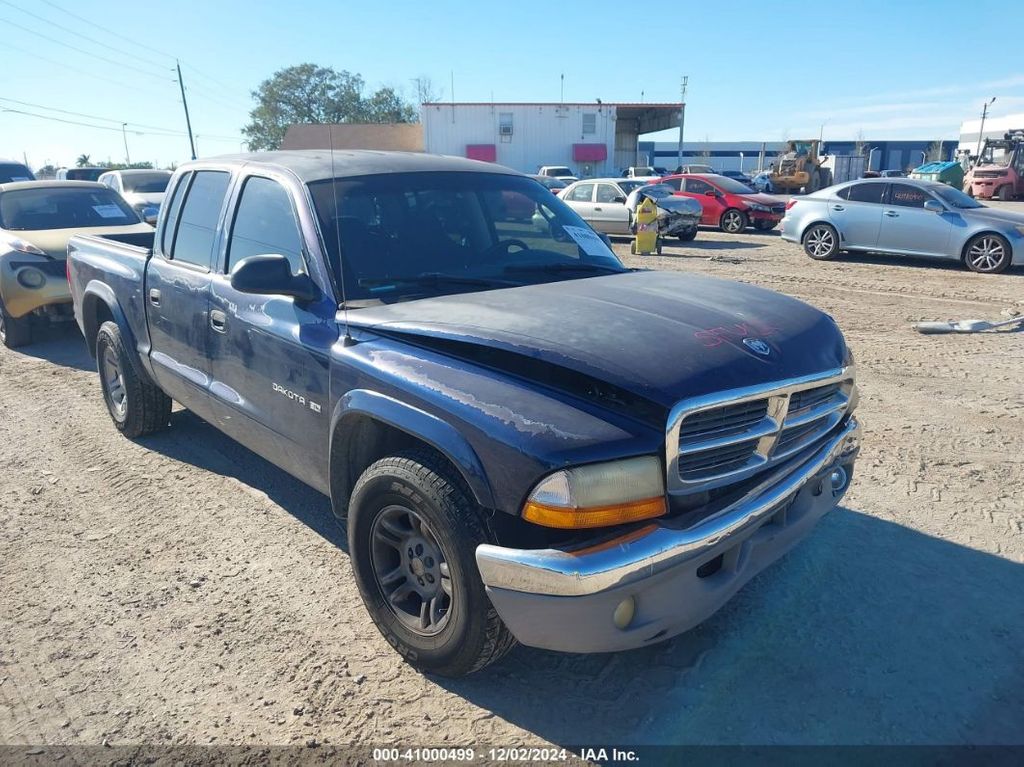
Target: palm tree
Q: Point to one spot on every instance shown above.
(82, 161)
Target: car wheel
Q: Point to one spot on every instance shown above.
(733, 221)
(14, 331)
(988, 254)
(1005, 193)
(821, 242)
(136, 406)
(413, 533)
(688, 236)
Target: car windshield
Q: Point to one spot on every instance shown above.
(14, 172)
(701, 169)
(63, 208)
(558, 170)
(643, 172)
(628, 186)
(399, 236)
(732, 186)
(955, 198)
(145, 183)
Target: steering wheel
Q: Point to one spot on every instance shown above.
(504, 245)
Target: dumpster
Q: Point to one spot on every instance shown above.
(951, 173)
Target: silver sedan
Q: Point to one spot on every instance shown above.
(905, 217)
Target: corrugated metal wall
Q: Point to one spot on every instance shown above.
(542, 134)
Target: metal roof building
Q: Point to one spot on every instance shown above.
(593, 138)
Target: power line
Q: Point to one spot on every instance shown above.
(78, 34)
(77, 122)
(33, 54)
(118, 64)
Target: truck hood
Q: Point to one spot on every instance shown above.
(663, 336)
(54, 242)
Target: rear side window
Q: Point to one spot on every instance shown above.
(675, 183)
(173, 209)
(582, 193)
(197, 225)
(863, 193)
(265, 224)
(908, 196)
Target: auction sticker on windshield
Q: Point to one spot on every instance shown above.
(108, 211)
(587, 239)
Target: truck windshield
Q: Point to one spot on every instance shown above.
(994, 155)
(393, 236)
(50, 207)
(146, 183)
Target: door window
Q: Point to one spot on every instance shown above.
(607, 193)
(265, 224)
(582, 193)
(907, 196)
(698, 186)
(863, 193)
(197, 227)
(675, 183)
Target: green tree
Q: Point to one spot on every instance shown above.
(82, 161)
(308, 93)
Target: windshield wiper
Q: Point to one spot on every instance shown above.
(564, 267)
(435, 279)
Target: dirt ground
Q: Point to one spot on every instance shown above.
(180, 590)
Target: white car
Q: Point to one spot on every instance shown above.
(561, 172)
(143, 189)
(601, 202)
(762, 182)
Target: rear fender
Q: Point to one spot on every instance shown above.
(95, 294)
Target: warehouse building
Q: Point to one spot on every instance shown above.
(593, 139)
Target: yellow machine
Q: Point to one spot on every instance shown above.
(799, 169)
(646, 240)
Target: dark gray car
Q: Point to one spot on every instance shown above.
(905, 217)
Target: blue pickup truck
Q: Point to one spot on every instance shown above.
(525, 439)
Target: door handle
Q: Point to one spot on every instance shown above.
(838, 207)
(597, 209)
(154, 297)
(218, 321)
(891, 214)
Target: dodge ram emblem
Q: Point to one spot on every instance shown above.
(757, 346)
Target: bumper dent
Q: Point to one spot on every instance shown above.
(565, 600)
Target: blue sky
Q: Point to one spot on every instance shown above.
(757, 71)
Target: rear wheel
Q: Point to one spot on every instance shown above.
(1005, 192)
(733, 221)
(136, 406)
(821, 242)
(988, 254)
(14, 331)
(413, 533)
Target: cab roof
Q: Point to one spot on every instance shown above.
(310, 165)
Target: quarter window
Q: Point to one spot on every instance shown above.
(197, 228)
(582, 193)
(675, 183)
(907, 196)
(864, 193)
(265, 224)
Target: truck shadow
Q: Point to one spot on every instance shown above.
(869, 632)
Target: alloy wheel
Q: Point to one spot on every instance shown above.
(820, 241)
(733, 221)
(113, 383)
(986, 254)
(411, 570)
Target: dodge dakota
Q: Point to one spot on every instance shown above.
(524, 439)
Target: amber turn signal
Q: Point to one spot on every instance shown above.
(598, 516)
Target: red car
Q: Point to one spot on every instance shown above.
(728, 204)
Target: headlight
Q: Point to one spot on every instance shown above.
(31, 278)
(23, 246)
(758, 207)
(1019, 229)
(599, 495)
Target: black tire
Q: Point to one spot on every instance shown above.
(468, 635)
(733, 221)
(765, 226)
(821, 241)
(136, 406)
(14, 331)
(813, 182)
(688, 236)
(1005, 193)
(988, 253)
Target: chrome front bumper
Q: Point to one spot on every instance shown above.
(565, 599)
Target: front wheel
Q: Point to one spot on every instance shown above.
(136, 406)
(988, 254)
(413, 533)
(14, 331)
(821, 242)
(733, 221)
(688, 236)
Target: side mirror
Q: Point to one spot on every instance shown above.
(271, 275)
(711, 193)
(619, 199)
(934, 206)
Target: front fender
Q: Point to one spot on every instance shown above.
(439, 434)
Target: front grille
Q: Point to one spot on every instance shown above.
(988, 174)
(719, 442)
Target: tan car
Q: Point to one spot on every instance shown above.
(37, 218)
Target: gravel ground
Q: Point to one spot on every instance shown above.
(180, 590)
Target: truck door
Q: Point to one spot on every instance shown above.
(271, 353)
(177, 288)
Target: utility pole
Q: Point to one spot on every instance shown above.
(124, 133)
(184, 103)
(981, 130)
(682, 116)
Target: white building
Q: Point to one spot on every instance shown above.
(593, 139)
(995, 127)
